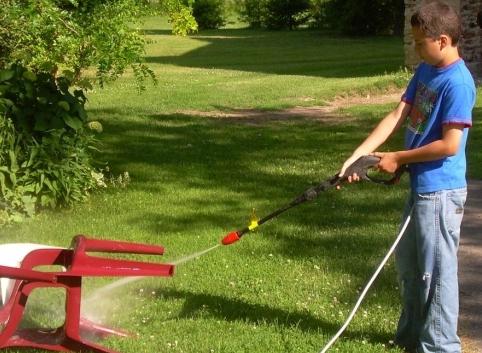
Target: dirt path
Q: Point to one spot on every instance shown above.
(328, 113)
(470, 270)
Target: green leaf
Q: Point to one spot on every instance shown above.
(13, 178)
(13, 162)
(29, 75)
(40, 125)
(33, 154)
(4, 102)
(69, 74)
(64, 105)
(4, 88)
(6, 75)
(2, 183)
(82, 113)
(56, 123)
(73, 122)
(49, 185)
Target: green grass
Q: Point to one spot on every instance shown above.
(287, 287)
(242, 68)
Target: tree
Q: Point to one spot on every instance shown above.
(366, 17)
(275, 14)
(253, 12)
(286, 13)
(209, 14)
(46, 35)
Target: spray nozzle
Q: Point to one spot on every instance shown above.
(230, 238)
(236, 235)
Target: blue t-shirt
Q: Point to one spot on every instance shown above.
(438, 96)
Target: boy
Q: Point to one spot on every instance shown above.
(437, 105)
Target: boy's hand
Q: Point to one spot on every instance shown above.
(348, 163)
(389, 162)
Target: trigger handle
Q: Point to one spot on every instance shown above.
(361, 166)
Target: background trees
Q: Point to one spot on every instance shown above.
(353, 17)
(209, 14)
(275, 14)
(365, 17)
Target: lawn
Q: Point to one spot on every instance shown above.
(288, 286)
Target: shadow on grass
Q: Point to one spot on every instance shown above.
(218, 170)
(306, 53)
(233, 309)
(156, 32)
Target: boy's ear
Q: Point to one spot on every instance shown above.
(445, 41)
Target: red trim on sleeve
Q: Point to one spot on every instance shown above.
(457, 123)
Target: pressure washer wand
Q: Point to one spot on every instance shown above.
(308, 195)
(359, 167)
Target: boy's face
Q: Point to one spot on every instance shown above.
(429, 49)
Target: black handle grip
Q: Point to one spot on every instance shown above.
(361, 166)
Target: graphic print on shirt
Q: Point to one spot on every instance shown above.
(425, 99)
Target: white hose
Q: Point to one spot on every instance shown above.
(367, 287)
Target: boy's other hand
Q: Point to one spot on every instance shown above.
(389, 162)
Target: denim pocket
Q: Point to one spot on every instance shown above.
(454, 212)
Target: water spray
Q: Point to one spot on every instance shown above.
(359, 167)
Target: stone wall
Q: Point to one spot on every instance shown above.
(471, 43)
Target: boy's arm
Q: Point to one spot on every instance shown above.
(447, 146)
(379, 135)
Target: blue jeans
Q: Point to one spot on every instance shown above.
(426, 260)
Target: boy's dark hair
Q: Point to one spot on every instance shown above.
(436, 18)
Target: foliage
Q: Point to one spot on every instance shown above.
(317, 11)
(253, 12)
(232, 8)
(347, 16)
(45, 148)
(38, 103)
(209, 14)
(366, 17)
(286, 13)
(180, 16)
(73, 35)
(275, 14)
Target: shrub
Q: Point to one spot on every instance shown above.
(45, 147)
(179, 13)
(286, 13)
(209, 14)
(366, 17)
(253, 12)
(49, 36)
(275, 14)
(317, 17)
